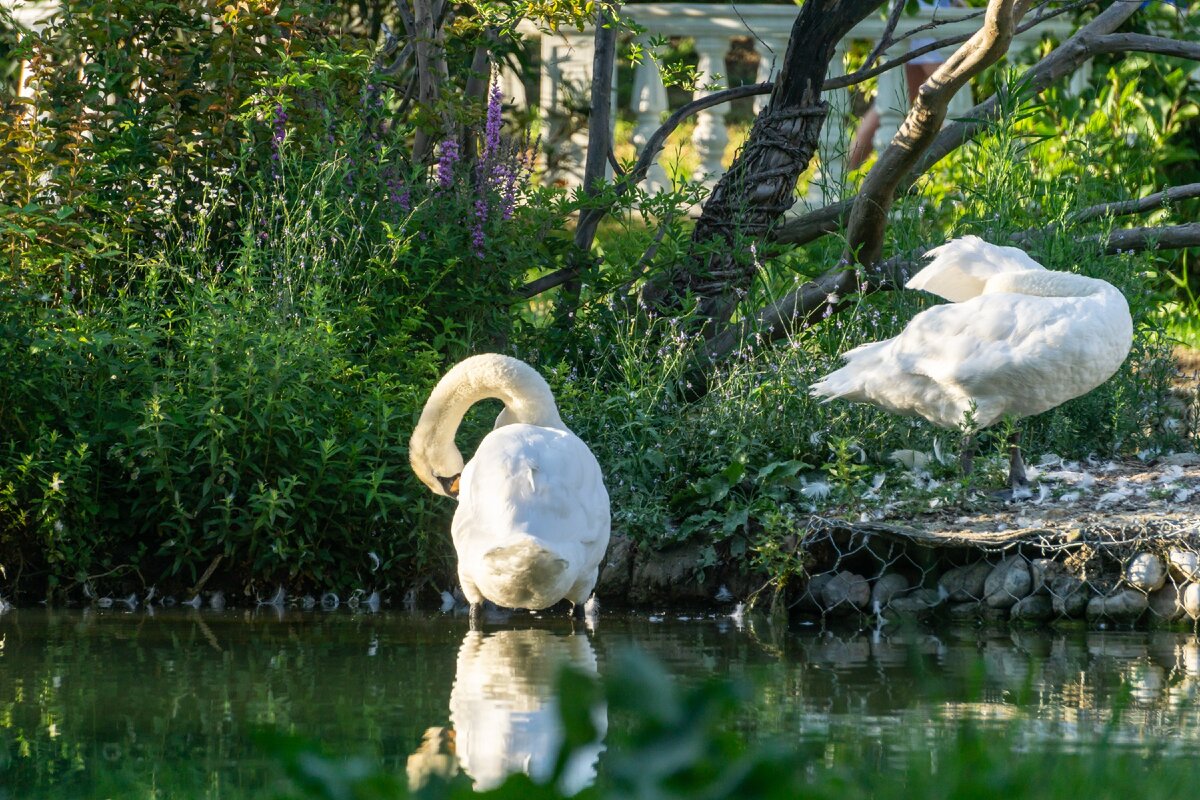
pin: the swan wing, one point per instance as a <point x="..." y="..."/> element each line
<point x="960" y="269"/>
<point x="1007" y="353"/>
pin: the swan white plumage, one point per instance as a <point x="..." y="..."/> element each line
<point x="505" y="713"/>
<point x="1017" y="339"/>
<point x="532" y="522"/>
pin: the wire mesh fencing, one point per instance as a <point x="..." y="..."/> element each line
<point x="1148" y="572"/>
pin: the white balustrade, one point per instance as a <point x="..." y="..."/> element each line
<point x="710" y="136"/>
<point x="712" y="26"/>
<point x="649" y="108"/>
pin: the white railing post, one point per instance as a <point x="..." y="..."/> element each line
<point x="711" y="136"/>
<point x="566" y="81"/>
<point x="649" y="105"/>
<point x="770" y="59"/>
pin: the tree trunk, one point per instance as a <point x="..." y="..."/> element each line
<point x="760" y="185"/>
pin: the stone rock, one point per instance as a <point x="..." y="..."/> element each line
<point x="1007" y="583"/>
<point x="968" y="609"/>
<point x="670" y="575"/>
<point x="914" y="603"/>
<point x="1184" y="565"/>
<point x="965" y="583"/>
<point x="1190" y="599"/>
<point x="1145" y="571"/>
<point x="1122" y="606"/>
<point x="617" y="571"/>
<point x="846" y="589"/>
<point x="810" y="599"/>
<point x="1033" y="607"/>
<point x="886" y="588"/>
<point x="1068" y="595"/>
<point x="1166" y="604"/>
<point x="1042" y="571"/>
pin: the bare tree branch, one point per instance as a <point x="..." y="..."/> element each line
<point x="1143" y="43"/>
<point x="886" y="40"/>
<point x="600" y="119"/>
<point x="868" y="218"/>
<point x="1131" y="240"/>
<point x="1063" y="60"/>
<point x="1142" y="204"/>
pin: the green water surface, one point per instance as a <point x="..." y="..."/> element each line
<point x="110" y="704"/>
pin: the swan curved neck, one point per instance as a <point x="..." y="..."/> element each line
<point x="526" y="396"/>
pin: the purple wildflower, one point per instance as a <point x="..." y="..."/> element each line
<point x="399" y="194"/>
<point x="279" y="122"/>
<point x="477" y="239"/>
<point x="505" y="179"/>
<point x="446" y="161"/>
<point x="491" y="133"/>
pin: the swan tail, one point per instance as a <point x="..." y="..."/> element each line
<point x="842" y="383"/>
<point x="961" y="268"/>
<point x="523" y="573"/>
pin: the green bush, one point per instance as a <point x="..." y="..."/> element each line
<point x="217" y="341"/>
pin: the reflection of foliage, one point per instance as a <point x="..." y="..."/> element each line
<point x="677" y="744"/>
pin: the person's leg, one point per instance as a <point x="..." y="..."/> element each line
<point x="862" y="145"/>
<point x="916" y="74"/>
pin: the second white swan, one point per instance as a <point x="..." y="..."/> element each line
<point x="1016" y="339"/>
<point x="532" y="522"/>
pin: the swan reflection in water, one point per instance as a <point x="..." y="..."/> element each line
<point x="504" y="715"/>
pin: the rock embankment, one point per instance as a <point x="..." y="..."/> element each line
<point x="1117" y="542"/>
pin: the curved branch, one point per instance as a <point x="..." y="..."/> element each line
<point x="1142" y="204"/>
<point x="1172" y="237"/>
<point x="1144" y="43"/>
<point x="1063" y="60"/>
<point x="868" y="217"/>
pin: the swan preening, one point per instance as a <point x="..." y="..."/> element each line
<point x="1017" y="339"/>
<point x="532" y="521"/>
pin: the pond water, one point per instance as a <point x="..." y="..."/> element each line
<point x="108" y="704"/>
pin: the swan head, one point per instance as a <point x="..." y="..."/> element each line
<point x="526" y="396"/>
<point x="438" y="468"/>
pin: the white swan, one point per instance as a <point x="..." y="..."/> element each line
<point x="505" y="713"/>
<point x="532" y="521"/>
<point x="1017" y="340"/>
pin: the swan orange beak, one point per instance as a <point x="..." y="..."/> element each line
<point x="450" y="485"/>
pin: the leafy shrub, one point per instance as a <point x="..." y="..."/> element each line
<point x="219" y="339"/>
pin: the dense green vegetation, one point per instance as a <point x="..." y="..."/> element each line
<point x="227" y="288"/>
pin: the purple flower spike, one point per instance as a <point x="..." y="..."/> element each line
<point x="280" y="121"/>
<point x="477" y="238"/>
<point x="491" y="134"/>
<point x="446" y="161"/>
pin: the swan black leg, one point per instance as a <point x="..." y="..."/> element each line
<point x="476" y="615"/>
<point x="1016" y="465"/>
<point x="966" y="454"/>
